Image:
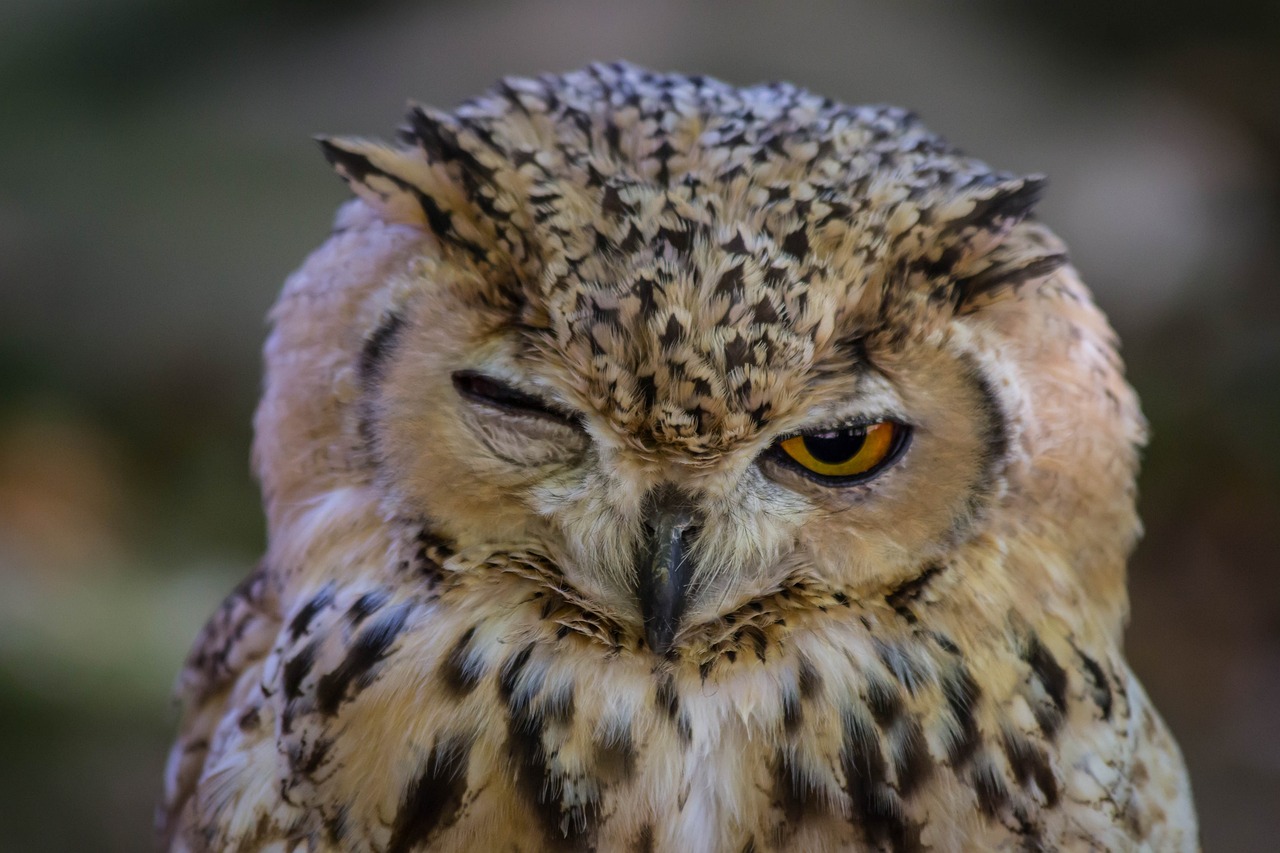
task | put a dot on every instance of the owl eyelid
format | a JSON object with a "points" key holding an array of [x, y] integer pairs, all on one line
{"points": [[855, 423], [901, 441], [481, 388]]}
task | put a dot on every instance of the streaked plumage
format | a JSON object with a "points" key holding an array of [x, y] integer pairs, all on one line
{"points": [[583, 301]]}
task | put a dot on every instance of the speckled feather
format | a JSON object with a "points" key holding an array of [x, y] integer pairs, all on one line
{"points": [[442, 649]]}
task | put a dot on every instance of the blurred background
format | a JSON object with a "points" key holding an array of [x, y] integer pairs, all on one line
{"points": [[157, 182]]}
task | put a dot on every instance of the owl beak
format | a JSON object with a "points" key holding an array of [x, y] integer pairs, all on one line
{"points": [[664, 566]]}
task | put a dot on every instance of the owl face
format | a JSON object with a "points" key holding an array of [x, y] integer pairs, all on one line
{"points": [[807, 342], [735, 425]]}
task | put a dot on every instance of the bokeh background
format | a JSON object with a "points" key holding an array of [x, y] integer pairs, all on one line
{"points": [[157, 182]]}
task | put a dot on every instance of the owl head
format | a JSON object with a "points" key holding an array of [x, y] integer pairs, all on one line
{"points": [[691, 343]]}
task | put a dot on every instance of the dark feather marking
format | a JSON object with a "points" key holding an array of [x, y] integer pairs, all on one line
{"points": [[511, 670], [794, 789], [739, 352], [736, 245], [995, 443], [643, 842], [432, 800], [367, 605], [296, 669], [673, 333], [678, 239], [558, 706], [796, 243], [224, 630], [908, 749], [731, 283], [666, 697], [304, 761], [965, 290], [250, 720], [1007, 204], [1053, 677], [615, 753], [755, 636], [962, 693], [993, 796], [885, 703], [911, 762], [809, 680], [370, 647], [944, 642], [1099, 686], [901, 596], [763, 312], [441, 144], [792, 713], [335, 825], [355, 165], [611, 203], [906, 669], [876, 809], [683, 728], [302, 621], [458, 672], [378, 346], [1048, 718], [1029, 763], [566, 826]]}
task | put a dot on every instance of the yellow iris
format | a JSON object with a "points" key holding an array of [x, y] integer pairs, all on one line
{"points": [[843, 452]]}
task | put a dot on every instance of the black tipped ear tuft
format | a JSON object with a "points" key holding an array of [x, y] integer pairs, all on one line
{"points": [[404, 188], [349, 164], [386, 179]]}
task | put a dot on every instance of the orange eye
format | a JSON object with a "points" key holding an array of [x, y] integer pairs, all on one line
{"points": [[848, 453]]}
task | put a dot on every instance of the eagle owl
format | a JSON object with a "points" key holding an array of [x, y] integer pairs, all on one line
{"points": [[657, 465]]}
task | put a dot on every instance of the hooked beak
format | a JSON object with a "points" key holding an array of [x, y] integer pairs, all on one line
{"points": [[664, 566]]}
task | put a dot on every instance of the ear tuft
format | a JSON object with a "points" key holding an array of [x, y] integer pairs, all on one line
{"points": [[379, 175], [404, 188]]}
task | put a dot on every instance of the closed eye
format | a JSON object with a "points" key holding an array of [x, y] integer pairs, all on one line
{"points": [[480, 388]]}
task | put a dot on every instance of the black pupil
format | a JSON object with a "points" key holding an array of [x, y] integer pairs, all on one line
{"points": [[834, 448]]}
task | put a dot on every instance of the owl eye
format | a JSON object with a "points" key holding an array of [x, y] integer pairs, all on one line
{"points": [[494, 392], [846, 456]]}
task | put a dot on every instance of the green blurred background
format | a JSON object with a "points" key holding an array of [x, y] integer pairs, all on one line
{"points": [[157, 182]]}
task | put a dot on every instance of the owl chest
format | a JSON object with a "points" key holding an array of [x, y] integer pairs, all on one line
{"points": [[424, 727]]}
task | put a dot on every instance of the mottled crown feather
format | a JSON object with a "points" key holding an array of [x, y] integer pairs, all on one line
{"points": [[602, 136], [746, 230]]}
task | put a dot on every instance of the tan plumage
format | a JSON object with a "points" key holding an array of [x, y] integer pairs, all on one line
{"points": [[582, 303]]}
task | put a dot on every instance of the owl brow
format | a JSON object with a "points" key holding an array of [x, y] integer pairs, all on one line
{"points": [[848, 358]]}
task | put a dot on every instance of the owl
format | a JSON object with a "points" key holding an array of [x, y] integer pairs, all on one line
{"points": [[652, 464]]}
